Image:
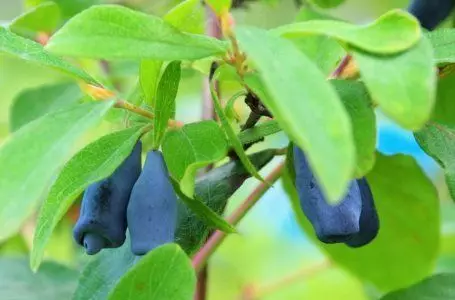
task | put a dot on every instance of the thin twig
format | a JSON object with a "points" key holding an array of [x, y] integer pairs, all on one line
{"points": [[338, 72], [200, 259]]}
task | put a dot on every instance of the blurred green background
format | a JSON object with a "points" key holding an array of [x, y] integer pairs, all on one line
{"points": [[270, 258]]}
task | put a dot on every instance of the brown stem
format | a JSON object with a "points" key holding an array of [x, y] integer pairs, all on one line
{"points": [[201, 257]]}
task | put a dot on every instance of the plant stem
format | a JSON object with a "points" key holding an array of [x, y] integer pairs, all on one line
{"points": [[142, 112], [259, 292], [200, 258]]}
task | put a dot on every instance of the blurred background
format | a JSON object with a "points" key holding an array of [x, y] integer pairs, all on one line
{"points": [[271, 258]]}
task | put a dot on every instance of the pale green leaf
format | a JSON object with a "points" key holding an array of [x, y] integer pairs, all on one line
{"points": [[26, 49], [42, 18], [32, 155], [95, 162], [436, 287], [52, 282], [327, 3], [191, 147], [34, 103], [149, 76], [165, 100], [404, 85], [188, 16], [407, 244], [219, 6], [116, 32], [164, 273], [393, 32], [444, 109], [438, 141], [302, 106], [443, 42]]}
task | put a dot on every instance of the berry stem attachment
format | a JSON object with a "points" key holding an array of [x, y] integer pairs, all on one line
{"points": [[200, 258]]}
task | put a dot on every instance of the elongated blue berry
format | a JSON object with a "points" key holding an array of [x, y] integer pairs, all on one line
{"points": [[102, 220], [332, 223], [369, 220], [431, 13], [152, 210]]}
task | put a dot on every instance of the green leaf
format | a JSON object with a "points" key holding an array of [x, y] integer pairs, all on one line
{"points": [[214, 188], [233, 139], [103, 272], [70, 8], [443, 42], [26, 49], [42, 18], [408, 209], [438, 141], [327, 3], [18, 282], [302, 106], [204, 212], [220, 6], [444, 108], [192, 147], [188, 16], [149, 76], [95, 162], [164, 273], [116, 32], [359, 107], [258, 132], [393, 32], [165, 100], [32, 156], [436, 287], [33, 103], [404, 85]]}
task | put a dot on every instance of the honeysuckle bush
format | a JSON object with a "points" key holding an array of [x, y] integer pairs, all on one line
{"points": [[319, 80]]}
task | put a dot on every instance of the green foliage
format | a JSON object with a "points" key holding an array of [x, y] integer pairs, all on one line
{"points": [[94, 33], [409, 102], [165, 100], [28, 50], [31, 157], [393, 32], [437, 287], [444, 108], [443, 41], [43, 18], [149, 76], [164, 273], [34, 103], [359, 107], [300, 107], [17, 281], [186, 150], [438, 141], [327, 3], [95, 162], [187, 16], [409, 219], [259, 131]]}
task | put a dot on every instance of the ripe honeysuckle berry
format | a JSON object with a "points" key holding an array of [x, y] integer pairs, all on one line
{"points": [[102, 220], [431, 13], [152, 210]]}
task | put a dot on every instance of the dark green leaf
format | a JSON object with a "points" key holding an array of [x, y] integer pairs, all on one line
{"points": [[437, 287], [393, 32], [96, 161], [34, 103], [259, 131], [407, 245], [116, 32], [357, 102], [404, 85], [18, 282], [444, 109], [164, 273], [31, 157], [165, 100], [31, 51], [438, 141], [192, 147]]}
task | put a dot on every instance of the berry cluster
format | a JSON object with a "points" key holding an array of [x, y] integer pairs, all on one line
{"points": [[144, 201]]}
